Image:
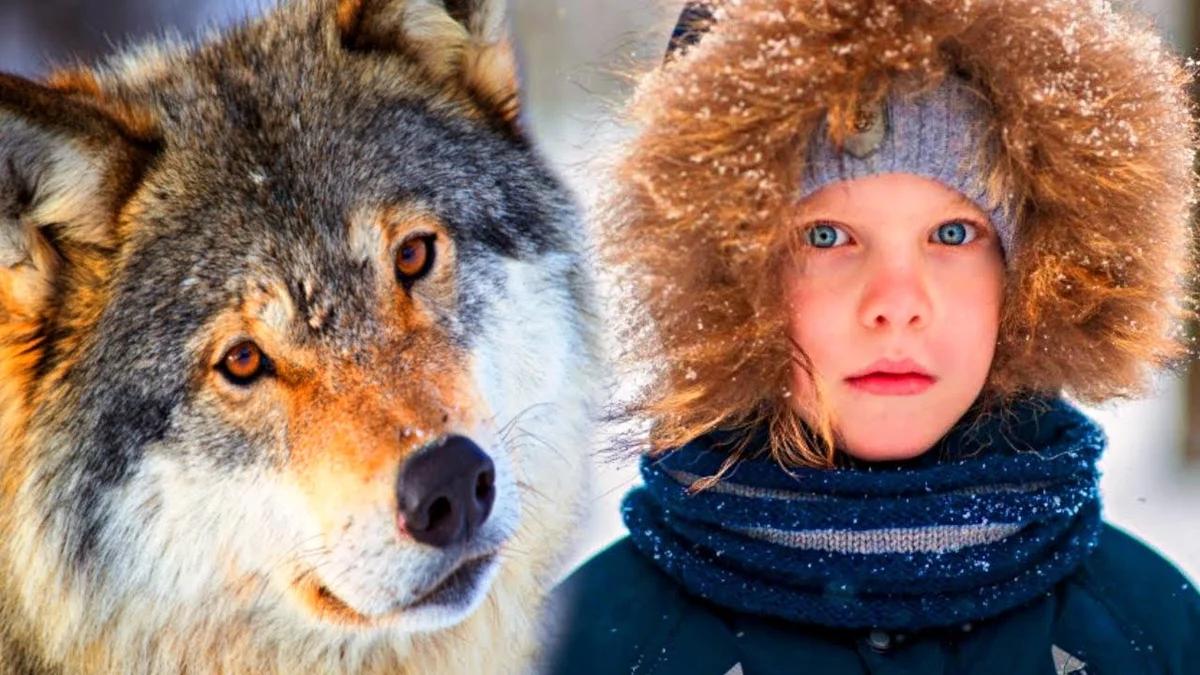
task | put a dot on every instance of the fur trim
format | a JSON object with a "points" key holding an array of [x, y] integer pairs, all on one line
{"points": [[1091, 111]]}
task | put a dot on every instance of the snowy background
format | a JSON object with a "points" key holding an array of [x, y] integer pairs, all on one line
{"points": [[576, 53]]}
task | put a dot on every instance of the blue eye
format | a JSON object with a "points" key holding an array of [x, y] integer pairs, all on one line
{"points": [[826, 236], [956, 233]]}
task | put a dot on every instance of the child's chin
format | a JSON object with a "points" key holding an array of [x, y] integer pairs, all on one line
{"points": [[890, 439], [891, 452]]}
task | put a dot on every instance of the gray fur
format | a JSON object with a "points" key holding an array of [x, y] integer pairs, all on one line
{"points": [[266, 141]]}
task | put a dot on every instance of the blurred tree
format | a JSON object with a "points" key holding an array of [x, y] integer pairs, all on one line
{"points": [[35, 34]]}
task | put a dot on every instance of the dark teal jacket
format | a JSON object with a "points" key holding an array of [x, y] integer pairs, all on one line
{"points": [[1126, 611]]}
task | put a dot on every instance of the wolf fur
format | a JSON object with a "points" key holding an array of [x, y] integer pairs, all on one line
{"points": [[158, 517]]}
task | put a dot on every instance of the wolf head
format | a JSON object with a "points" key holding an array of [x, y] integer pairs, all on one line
{"points": [[296, 346]]}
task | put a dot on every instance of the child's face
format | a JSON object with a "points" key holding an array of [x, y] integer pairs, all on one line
{"points": [[895, 299]]}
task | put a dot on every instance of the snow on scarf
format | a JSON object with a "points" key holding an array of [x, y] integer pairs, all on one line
{"points": [[994, 516]]}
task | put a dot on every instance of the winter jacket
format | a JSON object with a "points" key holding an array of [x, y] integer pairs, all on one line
{"points": [[1126, 611]]}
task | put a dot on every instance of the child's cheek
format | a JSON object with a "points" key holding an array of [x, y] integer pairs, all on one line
{"points": [[966, 334], [820, 312]]}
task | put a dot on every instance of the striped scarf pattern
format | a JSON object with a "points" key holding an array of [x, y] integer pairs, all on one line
{"points": [[994, 516]]}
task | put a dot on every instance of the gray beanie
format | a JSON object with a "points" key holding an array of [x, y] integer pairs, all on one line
{"points": [[938, 134]]}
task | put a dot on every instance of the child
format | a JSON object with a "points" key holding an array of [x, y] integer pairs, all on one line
{"points": [[878, 241]]}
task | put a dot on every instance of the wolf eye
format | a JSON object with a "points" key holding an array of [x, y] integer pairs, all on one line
{"points": [[414, 259], [243, 363]]}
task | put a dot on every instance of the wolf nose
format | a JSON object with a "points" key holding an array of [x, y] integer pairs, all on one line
{"points": [[445, 492]]}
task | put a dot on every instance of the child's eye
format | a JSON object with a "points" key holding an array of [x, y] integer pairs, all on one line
{"points": [[827, 236], [956, 233]]}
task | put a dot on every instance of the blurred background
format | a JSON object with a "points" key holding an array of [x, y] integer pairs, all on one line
{"points": [[575, 53]]}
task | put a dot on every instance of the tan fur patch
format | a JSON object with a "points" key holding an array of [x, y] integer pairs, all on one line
{"points": [[348, 16], [25, 283], [375, 234], [361, 420], [441, 39], [475, 61], [82, 84], [491, 71], [19, 354]]}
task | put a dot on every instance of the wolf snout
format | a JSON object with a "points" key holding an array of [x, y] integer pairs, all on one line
{"points": [[445, 492]]}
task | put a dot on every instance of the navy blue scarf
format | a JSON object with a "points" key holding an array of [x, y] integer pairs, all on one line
{"points": [[990, 519]]}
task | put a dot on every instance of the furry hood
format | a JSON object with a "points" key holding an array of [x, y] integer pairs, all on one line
{"points": [[1092, 115]]}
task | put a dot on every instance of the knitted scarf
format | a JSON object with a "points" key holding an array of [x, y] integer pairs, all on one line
{"points": [[1005, 507]]}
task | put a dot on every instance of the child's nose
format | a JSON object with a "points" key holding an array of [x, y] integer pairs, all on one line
{"points": [[896, 295]]}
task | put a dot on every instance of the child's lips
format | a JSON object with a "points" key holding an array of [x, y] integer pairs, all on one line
{"points": [[892, 384], [890, 377]]}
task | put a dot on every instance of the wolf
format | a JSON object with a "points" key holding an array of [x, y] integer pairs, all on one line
{"points": [[298, 352]]}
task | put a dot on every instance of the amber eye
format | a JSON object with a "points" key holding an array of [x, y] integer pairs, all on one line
{"points": [[414, 259], [243, 363]]}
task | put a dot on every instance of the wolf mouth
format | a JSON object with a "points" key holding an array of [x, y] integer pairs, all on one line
{"points": [[455, 591], [459, 587]]}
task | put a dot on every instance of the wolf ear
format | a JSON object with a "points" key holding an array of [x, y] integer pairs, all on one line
{"points": [[66, 168], [463, 39]]}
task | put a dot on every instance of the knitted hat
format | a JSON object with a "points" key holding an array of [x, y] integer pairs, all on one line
{"points": [[940, 135]]}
